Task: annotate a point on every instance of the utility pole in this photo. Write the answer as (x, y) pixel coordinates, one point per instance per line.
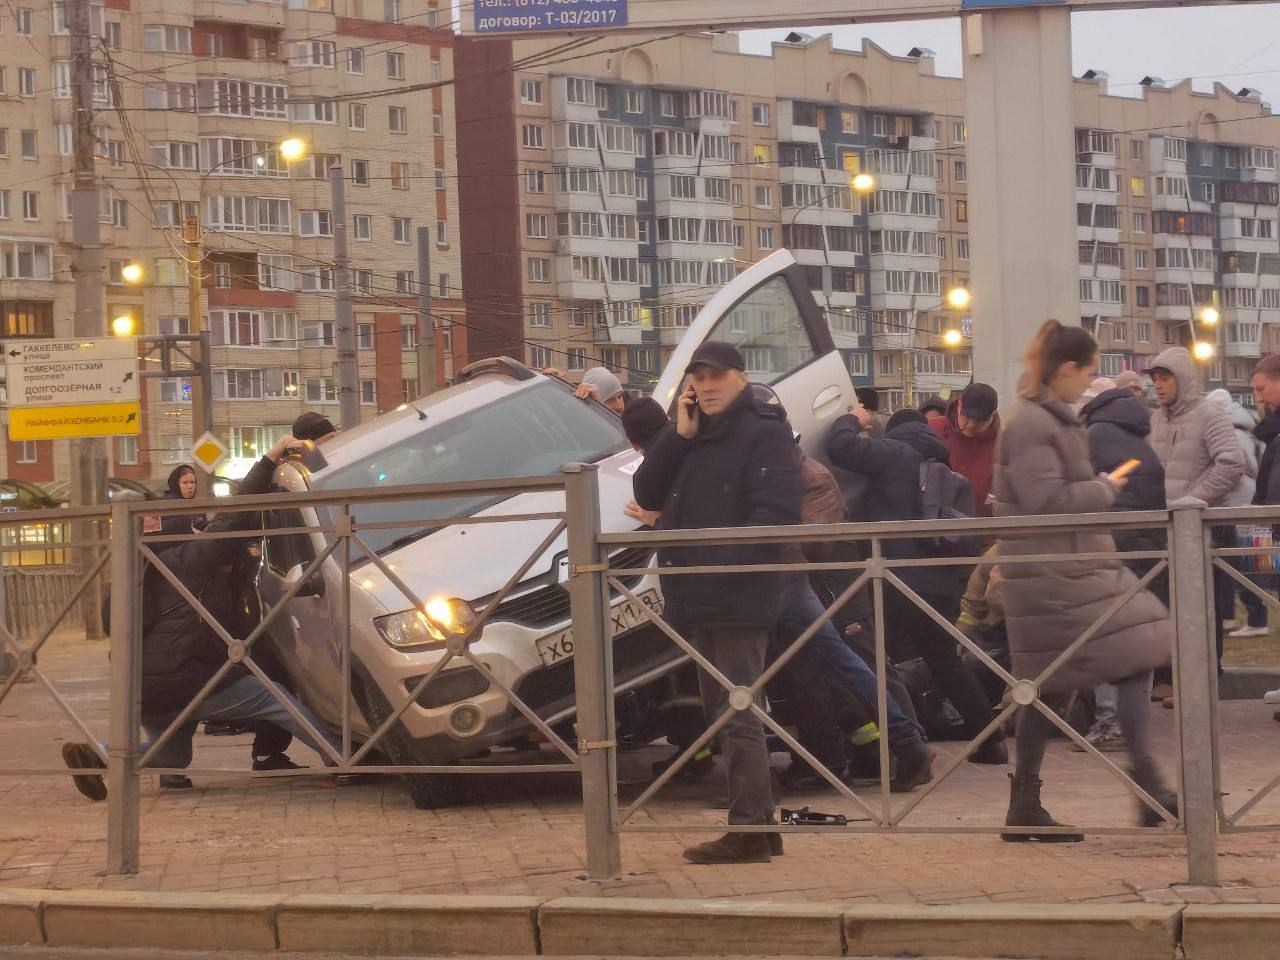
(426, 322)
(344, 319)
(88, 455)
(908, 378)
(201, 386)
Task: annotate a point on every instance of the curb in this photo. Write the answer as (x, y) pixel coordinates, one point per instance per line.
(609, 926)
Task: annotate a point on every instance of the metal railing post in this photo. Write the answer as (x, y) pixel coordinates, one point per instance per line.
(592, 667)
(1196, 691)
(125, 696)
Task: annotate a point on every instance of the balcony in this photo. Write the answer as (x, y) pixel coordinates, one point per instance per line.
(898, 340)
(797, 125)
(258, 13)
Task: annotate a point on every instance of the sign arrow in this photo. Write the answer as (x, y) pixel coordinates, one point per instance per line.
(127, 377)
(14, 353)
(130, 418)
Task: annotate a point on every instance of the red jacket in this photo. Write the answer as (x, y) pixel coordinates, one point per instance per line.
(974, 458)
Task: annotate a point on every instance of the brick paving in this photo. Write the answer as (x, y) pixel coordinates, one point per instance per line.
(523, 835)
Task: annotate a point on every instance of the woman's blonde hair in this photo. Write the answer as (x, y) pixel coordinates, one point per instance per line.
(1051, 347)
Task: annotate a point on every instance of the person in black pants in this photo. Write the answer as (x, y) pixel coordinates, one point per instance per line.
(891, 465)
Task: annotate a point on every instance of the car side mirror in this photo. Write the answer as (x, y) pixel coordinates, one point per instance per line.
(314, 587)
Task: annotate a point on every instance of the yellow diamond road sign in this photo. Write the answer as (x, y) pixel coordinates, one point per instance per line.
(208, 452)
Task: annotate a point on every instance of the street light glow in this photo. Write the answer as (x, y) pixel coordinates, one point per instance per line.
(1209, 316)
(953, 338)
(958, 297)
(122, 326)
(292, 149)
(863, 182)
(131, 272)
(1202, 350)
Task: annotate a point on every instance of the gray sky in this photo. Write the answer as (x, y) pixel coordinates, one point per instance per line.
(1239, 45)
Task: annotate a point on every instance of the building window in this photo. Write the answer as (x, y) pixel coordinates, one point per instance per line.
(362, 226)
(634, 101)
(30, 145)
(1140, 260)
(398, 119)
(539, 270)
(858, 366)
(962, 211)
(535, 181)
(531, 136)
(764, 197)
(395, 66)
(1207, 192)
(404, 281)
(959, 133)
(357, 116)
(364, 336)
(539, 357)
(535, 226)
(30, 205)
(315, 223)
(531, 91)
(408, 333)
(28, 451)
(355, 60)
(401, 229)
(764, 238)
(399, 176)
(540, 316)
(577, 358)
(961, 171)
(368, 392)
(442, 233)
(439, 178)
(1137, 150)
(443, 286)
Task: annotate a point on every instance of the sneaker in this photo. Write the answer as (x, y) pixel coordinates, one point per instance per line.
(1271, 697)
(81, 756)
(1105, 737)
(276, 761)
(1249, 632)
(175, 781)
(732, 848)
(912, 766)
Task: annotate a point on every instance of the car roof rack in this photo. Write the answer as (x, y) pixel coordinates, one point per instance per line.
(504, 366)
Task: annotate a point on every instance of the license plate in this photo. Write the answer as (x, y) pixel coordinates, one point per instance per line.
(627, 615)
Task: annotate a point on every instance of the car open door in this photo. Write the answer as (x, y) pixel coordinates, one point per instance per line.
(768, 312)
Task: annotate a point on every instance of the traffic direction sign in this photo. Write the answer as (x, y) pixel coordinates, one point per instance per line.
(58, 373)
(82, 420)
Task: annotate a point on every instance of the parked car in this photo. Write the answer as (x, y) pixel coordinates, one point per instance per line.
(21, 495)
(504, 420)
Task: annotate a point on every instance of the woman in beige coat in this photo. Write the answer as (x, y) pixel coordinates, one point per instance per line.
(1043, 467)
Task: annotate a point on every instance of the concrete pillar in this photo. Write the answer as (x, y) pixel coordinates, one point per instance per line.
(1022, 214)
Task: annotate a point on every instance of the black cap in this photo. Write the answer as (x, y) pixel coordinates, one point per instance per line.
(312, 426)
(718, 355)
(979, 402)
(642, 420)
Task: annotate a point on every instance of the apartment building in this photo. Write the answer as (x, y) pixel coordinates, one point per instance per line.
(610, 194)
(193, 99)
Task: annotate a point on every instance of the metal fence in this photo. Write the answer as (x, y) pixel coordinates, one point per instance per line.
(595, 585)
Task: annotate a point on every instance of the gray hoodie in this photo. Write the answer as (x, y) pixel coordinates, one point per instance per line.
(1193, 438)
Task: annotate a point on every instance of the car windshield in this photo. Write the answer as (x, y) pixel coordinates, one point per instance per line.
(529, 433)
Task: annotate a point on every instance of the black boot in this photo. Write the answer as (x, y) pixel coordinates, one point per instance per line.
(733, 848)
(1025, 811)
(1151, 781)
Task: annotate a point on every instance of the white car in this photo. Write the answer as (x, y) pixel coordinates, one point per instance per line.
(503, 420)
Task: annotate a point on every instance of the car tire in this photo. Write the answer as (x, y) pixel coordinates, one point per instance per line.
(429, 791)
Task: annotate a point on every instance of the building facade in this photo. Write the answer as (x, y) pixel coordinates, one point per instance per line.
(192, 99)
(610, 194)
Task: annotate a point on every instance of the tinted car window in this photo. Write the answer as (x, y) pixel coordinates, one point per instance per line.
(528, 433)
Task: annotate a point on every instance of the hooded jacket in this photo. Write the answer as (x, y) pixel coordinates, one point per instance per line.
(741, 470)
(891, 465)
(1044, 467)
(1242, 422)
(974, 458)
(1193, 438)
(179, 522)
(1119, 424)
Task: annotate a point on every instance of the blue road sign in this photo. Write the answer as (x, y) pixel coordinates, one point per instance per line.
(519, 16)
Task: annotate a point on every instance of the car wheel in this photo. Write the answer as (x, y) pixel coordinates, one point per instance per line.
(429, 791)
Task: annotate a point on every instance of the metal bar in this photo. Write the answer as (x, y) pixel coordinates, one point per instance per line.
(123, 828)
(1270, 599)
(592, 670)
(956, 634)
(345, 521)
(840, 786)
(689, 752)
(92, 741)
(853, 828)
(388, 723)
(291, 708)
(187, 712)
(1252, 802)
(1195, 680)
(882, 676)
(1091, 631)
(529, 714)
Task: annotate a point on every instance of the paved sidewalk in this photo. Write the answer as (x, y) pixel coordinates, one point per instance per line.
(524, 836)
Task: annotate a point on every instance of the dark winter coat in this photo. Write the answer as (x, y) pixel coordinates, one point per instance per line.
(1043, 466)
(891, 465)
(741, 470)
(1268, 433)
(180, 651)
(173, 523)
(974, 458)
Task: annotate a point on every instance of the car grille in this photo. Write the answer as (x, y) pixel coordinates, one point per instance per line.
(549, 605)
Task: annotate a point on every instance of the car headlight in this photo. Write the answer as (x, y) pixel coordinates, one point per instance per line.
(442, 618)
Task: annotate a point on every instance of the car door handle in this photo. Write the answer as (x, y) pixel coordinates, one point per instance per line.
(831, 395)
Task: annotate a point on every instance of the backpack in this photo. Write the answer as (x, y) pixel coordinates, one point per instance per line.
(947, 495)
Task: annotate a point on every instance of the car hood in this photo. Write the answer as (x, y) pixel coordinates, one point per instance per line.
(472, 561)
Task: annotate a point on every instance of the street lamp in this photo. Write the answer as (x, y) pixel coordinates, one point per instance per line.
(952, 338)
(123, 325)
(1202, 350)
(958, 298)
(1209, 315)
(131, 273)
(292, 149)
(863, 183)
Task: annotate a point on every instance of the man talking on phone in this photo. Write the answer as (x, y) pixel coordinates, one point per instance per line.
(727, 461)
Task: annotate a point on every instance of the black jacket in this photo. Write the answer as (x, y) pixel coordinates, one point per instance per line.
(1118, 424)
(180, 652)
(891, 465)
(740, 471)
(1268, 432)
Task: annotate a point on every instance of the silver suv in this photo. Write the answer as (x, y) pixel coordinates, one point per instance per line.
(503, 420)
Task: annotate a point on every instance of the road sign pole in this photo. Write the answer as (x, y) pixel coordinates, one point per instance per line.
(201, 386)
(426, 342)
(88, 456)
(343, 319)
